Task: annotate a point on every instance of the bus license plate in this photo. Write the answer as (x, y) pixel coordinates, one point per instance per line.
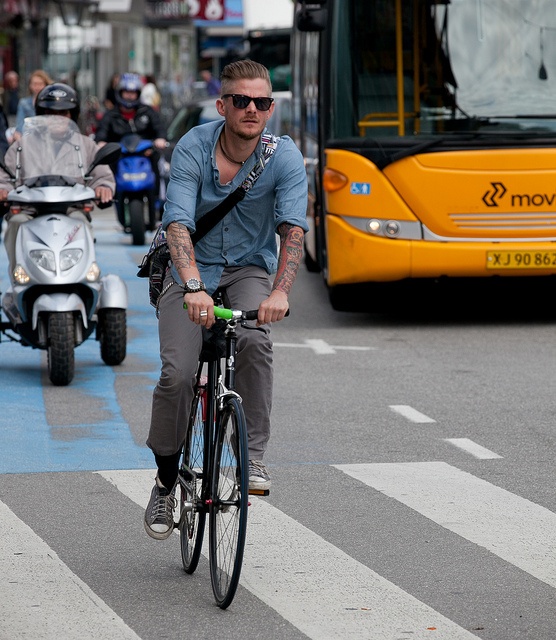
(521, 260)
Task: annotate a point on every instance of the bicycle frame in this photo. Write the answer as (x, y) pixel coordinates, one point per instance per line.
(218, 386)
(217, 485)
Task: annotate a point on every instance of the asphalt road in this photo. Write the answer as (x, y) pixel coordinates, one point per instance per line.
(413, 479)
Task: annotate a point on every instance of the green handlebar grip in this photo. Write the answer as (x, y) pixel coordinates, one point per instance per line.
(219, 312)
(225, 314)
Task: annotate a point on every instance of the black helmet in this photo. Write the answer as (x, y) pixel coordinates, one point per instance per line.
(58, 97)
(129, 82)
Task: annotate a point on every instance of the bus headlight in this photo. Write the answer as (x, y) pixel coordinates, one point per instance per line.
(392, 228)
(389, 228)
(374, 226)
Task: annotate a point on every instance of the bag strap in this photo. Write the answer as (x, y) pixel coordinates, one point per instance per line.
(213, 217)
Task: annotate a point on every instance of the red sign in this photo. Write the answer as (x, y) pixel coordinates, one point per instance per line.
(164, 11)
(206, 9)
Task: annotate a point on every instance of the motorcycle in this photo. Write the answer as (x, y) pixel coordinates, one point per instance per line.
(57, 297)
(137, 202)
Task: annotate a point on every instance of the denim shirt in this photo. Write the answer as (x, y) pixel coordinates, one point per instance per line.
(247, 234)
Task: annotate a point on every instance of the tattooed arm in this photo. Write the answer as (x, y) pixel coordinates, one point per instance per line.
(183, 259)
(181, 251)
(291, 251)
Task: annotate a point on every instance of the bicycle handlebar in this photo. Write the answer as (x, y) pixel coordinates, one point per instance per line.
(235, 314)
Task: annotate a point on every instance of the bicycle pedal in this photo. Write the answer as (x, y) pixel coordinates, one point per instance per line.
(259, 492)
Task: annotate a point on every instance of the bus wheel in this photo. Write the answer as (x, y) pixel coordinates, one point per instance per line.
(369, 297)
(344, 298)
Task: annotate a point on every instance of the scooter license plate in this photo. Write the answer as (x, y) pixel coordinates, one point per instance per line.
(132, 177)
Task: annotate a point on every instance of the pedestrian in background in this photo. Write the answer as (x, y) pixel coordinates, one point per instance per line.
(110, 93)
(38, 80)
(212, 83)
(150, 94)
(3, 136)
(92, 115)
(11, 96)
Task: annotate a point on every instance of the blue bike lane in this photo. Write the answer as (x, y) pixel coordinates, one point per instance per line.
(94, 434)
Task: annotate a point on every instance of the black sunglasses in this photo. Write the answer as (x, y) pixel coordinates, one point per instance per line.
(242, 102)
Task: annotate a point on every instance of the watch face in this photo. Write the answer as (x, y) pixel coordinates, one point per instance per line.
(193, 283)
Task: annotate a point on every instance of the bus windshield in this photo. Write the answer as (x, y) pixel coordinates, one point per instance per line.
(442, 67)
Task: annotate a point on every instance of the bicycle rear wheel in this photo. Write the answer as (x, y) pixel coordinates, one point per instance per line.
(192, 509)
(228, 510)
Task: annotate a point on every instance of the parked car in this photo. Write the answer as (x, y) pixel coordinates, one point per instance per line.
(190, 116)
(281, 120)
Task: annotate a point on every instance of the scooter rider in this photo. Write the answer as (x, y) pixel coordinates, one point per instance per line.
(131, 116)
(57, 99)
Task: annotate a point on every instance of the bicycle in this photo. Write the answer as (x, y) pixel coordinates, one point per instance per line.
(213, 474)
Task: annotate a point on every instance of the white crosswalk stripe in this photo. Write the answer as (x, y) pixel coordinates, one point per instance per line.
(511, 527)
(318, 588)
(41, 597)
(290, 568)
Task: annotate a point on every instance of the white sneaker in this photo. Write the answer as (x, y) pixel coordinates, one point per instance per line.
(259, 477)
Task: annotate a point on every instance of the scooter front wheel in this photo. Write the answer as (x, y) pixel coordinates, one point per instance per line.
(112, 335)
(137, 221)
(61, 344)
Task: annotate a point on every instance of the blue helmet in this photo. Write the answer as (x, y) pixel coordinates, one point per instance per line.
(129, 82)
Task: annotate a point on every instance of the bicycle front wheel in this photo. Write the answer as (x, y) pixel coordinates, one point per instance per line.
(228, 510)
(192, 508)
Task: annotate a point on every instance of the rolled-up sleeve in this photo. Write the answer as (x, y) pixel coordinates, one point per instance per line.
(290, 186)
(183, 187)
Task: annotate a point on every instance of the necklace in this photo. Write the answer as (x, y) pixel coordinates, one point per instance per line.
(226, 155)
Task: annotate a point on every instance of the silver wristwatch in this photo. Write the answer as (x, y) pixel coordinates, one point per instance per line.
(194, 286)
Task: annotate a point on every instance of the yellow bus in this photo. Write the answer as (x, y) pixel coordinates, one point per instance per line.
(428, 129)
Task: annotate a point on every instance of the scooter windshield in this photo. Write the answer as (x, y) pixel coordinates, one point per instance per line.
(51, 152)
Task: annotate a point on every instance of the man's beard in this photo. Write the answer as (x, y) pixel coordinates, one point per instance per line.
(247, 136)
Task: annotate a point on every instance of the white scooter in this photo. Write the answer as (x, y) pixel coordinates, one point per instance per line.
(57, 297)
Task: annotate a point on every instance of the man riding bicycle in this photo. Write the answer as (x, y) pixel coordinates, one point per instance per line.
(239, 254)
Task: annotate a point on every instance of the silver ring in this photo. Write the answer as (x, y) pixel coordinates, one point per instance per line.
(204, 313)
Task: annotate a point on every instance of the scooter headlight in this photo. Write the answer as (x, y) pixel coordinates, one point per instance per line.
(94, 272)
(20, 275)
(69, 258)
(43, 258)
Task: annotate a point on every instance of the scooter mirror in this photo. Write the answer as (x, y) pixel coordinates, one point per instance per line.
(108, 154)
